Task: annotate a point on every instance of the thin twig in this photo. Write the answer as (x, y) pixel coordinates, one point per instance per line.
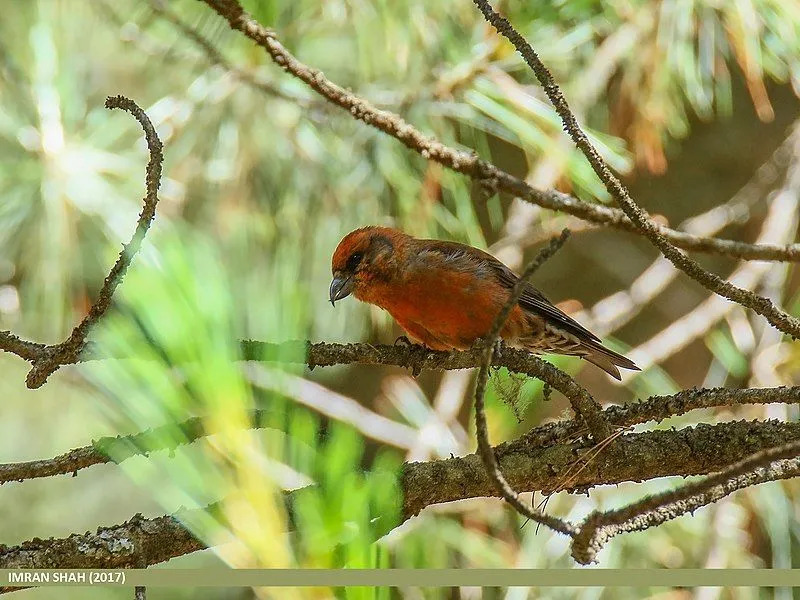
(119, 448)
(657, 408)
(780, 223)
(614, 311)
(763, 306)
(485, 449)
(767, 465)
(467, 163)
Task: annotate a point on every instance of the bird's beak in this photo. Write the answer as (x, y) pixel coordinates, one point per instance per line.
(341, 286)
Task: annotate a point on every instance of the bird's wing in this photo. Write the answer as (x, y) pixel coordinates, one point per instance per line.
(531, 299)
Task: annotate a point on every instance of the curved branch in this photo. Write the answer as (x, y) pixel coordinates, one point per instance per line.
(417, 358)
(47, 359)
(621, 307)
(485, 450)
(655, 408)
(467, 163)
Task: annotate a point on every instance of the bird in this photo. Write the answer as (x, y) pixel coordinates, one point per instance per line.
(446, 295)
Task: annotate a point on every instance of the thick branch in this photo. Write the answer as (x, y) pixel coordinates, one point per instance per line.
(637, 457)
(692, 451)
(763, 306)
(468, 163)
(136, 543)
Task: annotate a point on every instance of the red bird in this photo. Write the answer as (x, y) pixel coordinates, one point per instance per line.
(446, 295)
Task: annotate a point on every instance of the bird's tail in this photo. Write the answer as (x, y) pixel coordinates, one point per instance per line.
(590, 349)
(606, 359)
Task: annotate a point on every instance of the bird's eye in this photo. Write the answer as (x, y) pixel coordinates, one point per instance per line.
(353, 261)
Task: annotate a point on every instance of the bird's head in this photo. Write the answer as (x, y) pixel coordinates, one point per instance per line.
(361, 257)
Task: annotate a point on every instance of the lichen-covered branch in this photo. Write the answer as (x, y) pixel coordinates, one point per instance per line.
(763, 306)
(136, 543)
(467, 163)
(695, 450)
(657, 408)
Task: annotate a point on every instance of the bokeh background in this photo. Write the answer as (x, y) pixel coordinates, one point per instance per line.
(694, 102)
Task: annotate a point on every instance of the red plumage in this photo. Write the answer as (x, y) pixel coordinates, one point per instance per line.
(446, 295)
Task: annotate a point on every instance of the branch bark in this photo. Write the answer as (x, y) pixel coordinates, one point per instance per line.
(590, 410)
(655, 408)
(599, 527)
(697, 450)
(131, 545)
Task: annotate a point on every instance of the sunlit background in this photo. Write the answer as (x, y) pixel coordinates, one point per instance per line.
(693, 102)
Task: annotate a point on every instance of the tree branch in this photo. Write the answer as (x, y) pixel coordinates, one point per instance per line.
(697, 450)
(763, 306)
(532, 462)
(170, 437)
(215, 57)
(131, 545)
(118, 448)
(621, 307)
(467, 163)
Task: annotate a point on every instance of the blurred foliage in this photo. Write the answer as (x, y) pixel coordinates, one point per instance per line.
(259, 187)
